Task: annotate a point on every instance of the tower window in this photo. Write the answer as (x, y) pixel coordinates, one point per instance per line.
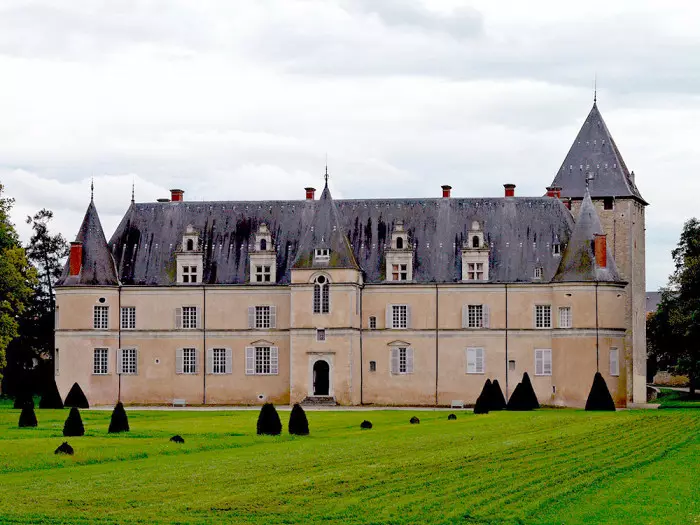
(475, 271)
(190, 245)
(263, 273)
(475, 241)
(321, 303)
(399, 272)
(263, 245)
(189, 274)
(608, 203)
(322, 255)
(399, 243)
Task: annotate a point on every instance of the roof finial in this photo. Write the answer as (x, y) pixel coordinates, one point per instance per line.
(92, 189)
(595, 88)
(325, 176)
(133, 182)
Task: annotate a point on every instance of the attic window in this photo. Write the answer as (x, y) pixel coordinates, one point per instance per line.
(608, 203)
(475, 241)
(190, 245)
(538, 272)
(399, 243)
(322, 255)
(556, 249)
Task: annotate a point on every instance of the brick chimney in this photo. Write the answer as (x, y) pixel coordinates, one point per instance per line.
(554, 191)
(75, 258)
(177, 195)
(600, 245)
(510, 190)
(310, 192)
(446, 191)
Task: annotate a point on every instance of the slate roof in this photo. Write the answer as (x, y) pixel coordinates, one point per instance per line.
(97, 266)
(519, 230)
(578, 260)
(652, 301)
(594, 153)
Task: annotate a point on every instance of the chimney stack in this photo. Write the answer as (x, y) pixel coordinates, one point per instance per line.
(310, 192)
(600, 245)
(177, 195)
(446, 189)
(510, 190)
(554, 191)
(75, 258)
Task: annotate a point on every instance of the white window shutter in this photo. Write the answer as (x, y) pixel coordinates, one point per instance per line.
(547, 362)
(479, 360)
(199, 317)
(388, 321)
(539, 365)
(408, 316)
(120, 366)
(196, 362)
(274, 360)
(486, 314)
(409, 360)
(471, 361)
(465, 316)
(178, 317)
(178, 361)
(210, 361)
(534, 316)
(229, 361)
(136, 362)
(273, 317)
(394, 360)
(251, 317)
(249, 360)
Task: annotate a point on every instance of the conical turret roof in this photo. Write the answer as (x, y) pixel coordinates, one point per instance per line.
(325, 231)
(97, 267)
(578, 262)
(594, 155)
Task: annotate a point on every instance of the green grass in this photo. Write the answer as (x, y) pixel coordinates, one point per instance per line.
(543, 467)
(668, 398)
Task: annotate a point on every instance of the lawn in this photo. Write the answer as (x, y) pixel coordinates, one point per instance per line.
(549, 466)
(669, 398)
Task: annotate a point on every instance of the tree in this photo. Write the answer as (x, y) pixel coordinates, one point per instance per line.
(673, 331)
(76, 398)
(27, 418)
(119, 421)
(298, 423)
(17, 279)
(74, 424)
(269, 423)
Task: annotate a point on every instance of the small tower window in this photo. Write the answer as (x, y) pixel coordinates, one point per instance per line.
(322, 255)
(190, 245)
(608, 203)
(475, 241)
(263, 245)
(399, 243)
(556, 249)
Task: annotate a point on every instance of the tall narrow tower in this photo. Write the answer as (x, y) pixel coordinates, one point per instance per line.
(595, 162)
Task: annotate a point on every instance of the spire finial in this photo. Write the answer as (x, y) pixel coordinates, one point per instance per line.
(325, 176)
(133, 182)
(92, 189)
(595, 88)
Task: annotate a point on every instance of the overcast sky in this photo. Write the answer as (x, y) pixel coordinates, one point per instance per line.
(244, 99)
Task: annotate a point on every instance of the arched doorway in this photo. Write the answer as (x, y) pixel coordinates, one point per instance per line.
(321, 378)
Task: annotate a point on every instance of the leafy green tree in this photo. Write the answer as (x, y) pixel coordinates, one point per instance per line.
(673, 331)
(17, 279)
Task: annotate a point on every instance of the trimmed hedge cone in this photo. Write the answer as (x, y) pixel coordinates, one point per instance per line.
(599, 397)
(269, 423)
(451, 417)
(64, 448)
(484, 400)
(74, 424)
(50, 398)
(414, 420)
(177, 439)
(298, 424)
(119, 421)
(76, 398)
(27, 418)
(523, 397)
(366, 425)
(498, 400)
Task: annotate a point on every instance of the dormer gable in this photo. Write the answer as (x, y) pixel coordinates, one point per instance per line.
(263, 258)
(399, 255)
(189, 258)
(475, 255)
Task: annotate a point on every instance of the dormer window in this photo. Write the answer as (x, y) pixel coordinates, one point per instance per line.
(189, 258)
(263, 245)
(475, 241)
(322, 255)
(399, 272)
(189, 274)
(399, 243)
(190, 245)
(263, 258)
(538, 273)
(399, 256)
(475, 255)
(556, 249)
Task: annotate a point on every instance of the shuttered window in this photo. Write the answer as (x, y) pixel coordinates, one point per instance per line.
(187, 317)
(186, 361)
(127, 361)
(262, 360)
(219, 361)
(398, 316)
(565, 317)
(475, 360)
(614, 362)
(402, 360)
(543, 362)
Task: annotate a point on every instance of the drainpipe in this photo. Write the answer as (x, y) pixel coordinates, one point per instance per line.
(362, 362)
(437, 344)
(597, 346)
(506, 288)
(119, 343)
(204, 344)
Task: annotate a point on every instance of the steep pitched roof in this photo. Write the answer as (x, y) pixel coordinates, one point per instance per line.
(578, 261)
(325, 231)
(97, 266)
(595, 154)
(520, 232)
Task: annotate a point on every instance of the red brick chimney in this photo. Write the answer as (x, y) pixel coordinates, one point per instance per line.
(75, 258)
(446, 190)
(600, 245)
(510, 190)
(177, 195)
(310, 192)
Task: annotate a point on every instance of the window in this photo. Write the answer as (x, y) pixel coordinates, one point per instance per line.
(220, 361)
(187, 317)
(186, 361)
(556, 249)
(372, 323)
(608, 203)
(543, 362)
(511, 365)
(399, 243)
(127, 362)
(402, 360)
(128, 317)
(538, 273)
(190, 245)
(262, 360)
(321, 334)
(475, 241)
(475, 360)
(565, 317)
(543, 316)
(372, 366)
(475, 271)
(262, 317)
(56, 368)
(321, 295)
(263, 273)
(263, 245)
(614, 362)
(99, 361)
(189, 274)
(475, 316)
(399, 316)
(100, 317)
(322, 255)
(399, 272)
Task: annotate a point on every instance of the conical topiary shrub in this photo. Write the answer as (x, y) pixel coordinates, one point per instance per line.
(497, 400)
(119, 421)
(414, 420)
(27, 418)
(298, 424)
(366, 425)
(76, 398)
(64, 448)
(531, 397)
(177, 439)
(482, 403)
(523, 397)
(451, 417)
(269, 423)
(599, 397)
(74, 424)
(50, 398)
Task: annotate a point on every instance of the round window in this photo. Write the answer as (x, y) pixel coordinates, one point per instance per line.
(102, 299)
(321, 279)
